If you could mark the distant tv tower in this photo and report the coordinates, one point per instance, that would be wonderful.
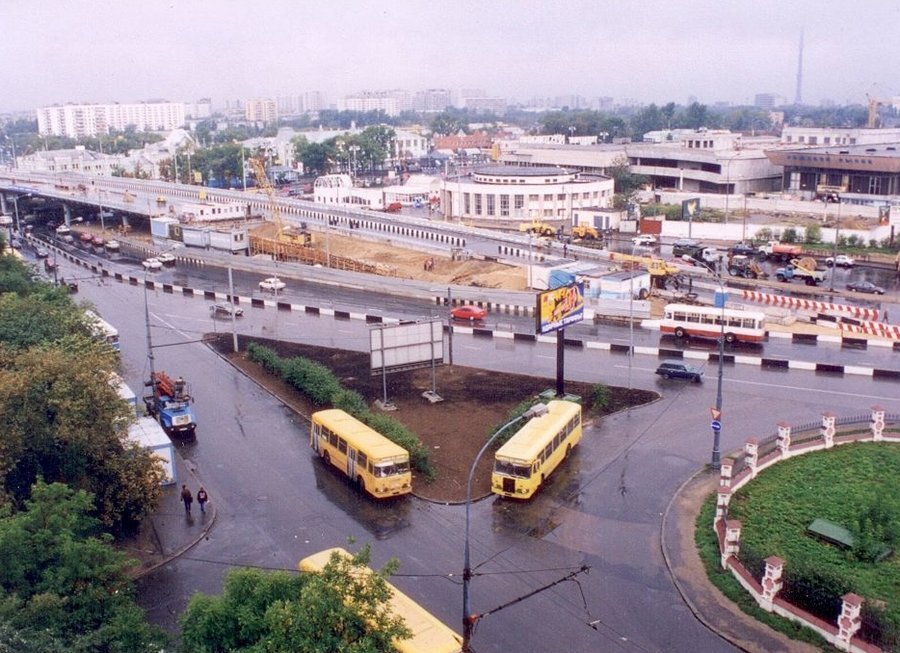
(798, 97)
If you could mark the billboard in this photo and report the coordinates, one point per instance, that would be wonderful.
(398, 347)
(559, 307)
(690, 209)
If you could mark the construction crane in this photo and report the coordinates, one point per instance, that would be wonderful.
(874, 103)
(283, 236)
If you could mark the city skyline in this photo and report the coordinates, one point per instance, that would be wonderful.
(103, 52)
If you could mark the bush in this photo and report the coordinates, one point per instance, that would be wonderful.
(601, 396)
(313, 379)
(350, 401)
(789, 235)
(764, 235)
(270, 361)
(813, 234)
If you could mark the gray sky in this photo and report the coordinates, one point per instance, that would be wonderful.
(54, 51)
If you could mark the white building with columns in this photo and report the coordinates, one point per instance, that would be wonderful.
(505, 192)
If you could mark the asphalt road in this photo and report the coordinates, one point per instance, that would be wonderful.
(604, 508)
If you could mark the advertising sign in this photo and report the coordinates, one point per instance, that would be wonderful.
(690, 209)
(559, 307)
(398, 347)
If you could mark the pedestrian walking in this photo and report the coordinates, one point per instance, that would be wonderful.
(187, 497)
(884, 316)
(202, 498)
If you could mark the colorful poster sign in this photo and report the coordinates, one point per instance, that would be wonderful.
(559, 307)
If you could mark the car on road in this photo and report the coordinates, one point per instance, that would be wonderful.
(152, 264)
(166, 258)
(865, 286)
(841, 260)
(40, 252)
(272, 284)
(225, 310)
(684, 246)
(674, 369)
(468, 312)
(742, 249)
(646, 240)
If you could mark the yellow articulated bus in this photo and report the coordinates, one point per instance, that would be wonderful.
(374, 463)
(429, 634)
(524, 462)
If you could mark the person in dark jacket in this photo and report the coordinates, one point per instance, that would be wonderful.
(187, 497)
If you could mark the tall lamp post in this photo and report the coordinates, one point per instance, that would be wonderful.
(837, 232)
(468, 619)
(716, 459)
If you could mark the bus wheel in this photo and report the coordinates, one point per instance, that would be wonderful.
(679, 332)
(730, 338)
(360, 484)
(568, 450)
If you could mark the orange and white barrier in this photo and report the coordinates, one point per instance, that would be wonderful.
(880, 329)
(809, 304)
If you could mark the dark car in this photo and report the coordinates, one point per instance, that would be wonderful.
(40, 252)
(865, 286)
(685, 246)
(225, 310)
(742, 249)
(672, 369)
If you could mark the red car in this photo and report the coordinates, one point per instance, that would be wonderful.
(468, 312)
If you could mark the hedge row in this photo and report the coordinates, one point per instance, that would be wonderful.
(322, 388)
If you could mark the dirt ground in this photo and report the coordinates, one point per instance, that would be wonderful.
(476, 403)
(411, 264)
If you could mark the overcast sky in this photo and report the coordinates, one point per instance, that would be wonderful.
(54, 51)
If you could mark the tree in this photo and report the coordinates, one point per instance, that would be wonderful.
(448, 122)
(62, 581)
(626, 183)
(696, 116)
(340, 609)
(647, 119)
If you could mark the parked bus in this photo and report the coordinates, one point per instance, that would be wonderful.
(103, 330)
(525, 461)
(429, 634)
(706, 322)
(374, 463)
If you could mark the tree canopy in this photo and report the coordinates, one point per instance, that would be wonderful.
(340, 609)
(63, 587)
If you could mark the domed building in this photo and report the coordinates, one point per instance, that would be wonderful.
(516, 193)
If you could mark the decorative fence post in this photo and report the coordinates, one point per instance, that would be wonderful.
(828, 429)
(751, 455)
(849, 620)
(784, 439)
(722, 500)
(725, 470)
(732, 541)
(772, 581)
(877, 423)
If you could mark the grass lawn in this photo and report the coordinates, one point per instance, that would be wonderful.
(839, 485)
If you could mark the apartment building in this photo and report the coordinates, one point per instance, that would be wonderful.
(86, 120)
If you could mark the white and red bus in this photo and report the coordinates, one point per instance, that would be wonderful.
(683, 320)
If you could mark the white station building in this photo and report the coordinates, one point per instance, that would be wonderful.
(509, 192)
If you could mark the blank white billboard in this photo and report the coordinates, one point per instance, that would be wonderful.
(398, 347)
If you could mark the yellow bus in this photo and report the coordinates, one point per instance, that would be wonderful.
(523, 463)
(374, 463)
(429, 634)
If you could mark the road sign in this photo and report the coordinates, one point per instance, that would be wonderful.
(716, 413)
(716, 425)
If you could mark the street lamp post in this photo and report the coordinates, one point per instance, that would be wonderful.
(469, 620)
(837, 233)
(716, 459)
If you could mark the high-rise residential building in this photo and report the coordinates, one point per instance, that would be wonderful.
(391, 102)
(198, 110)
(460, 95)
(769, 100)
(494, 105)
(260, 110)
(84, 120)
(431, 100)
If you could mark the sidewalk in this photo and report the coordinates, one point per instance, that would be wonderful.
(703, 599)
(169, 532)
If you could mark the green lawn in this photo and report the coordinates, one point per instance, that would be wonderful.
(839, 485)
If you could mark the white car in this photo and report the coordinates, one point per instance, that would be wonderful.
(841, 260)
(152, 264)
(166, 258)
(644, 239)
(272, 284)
